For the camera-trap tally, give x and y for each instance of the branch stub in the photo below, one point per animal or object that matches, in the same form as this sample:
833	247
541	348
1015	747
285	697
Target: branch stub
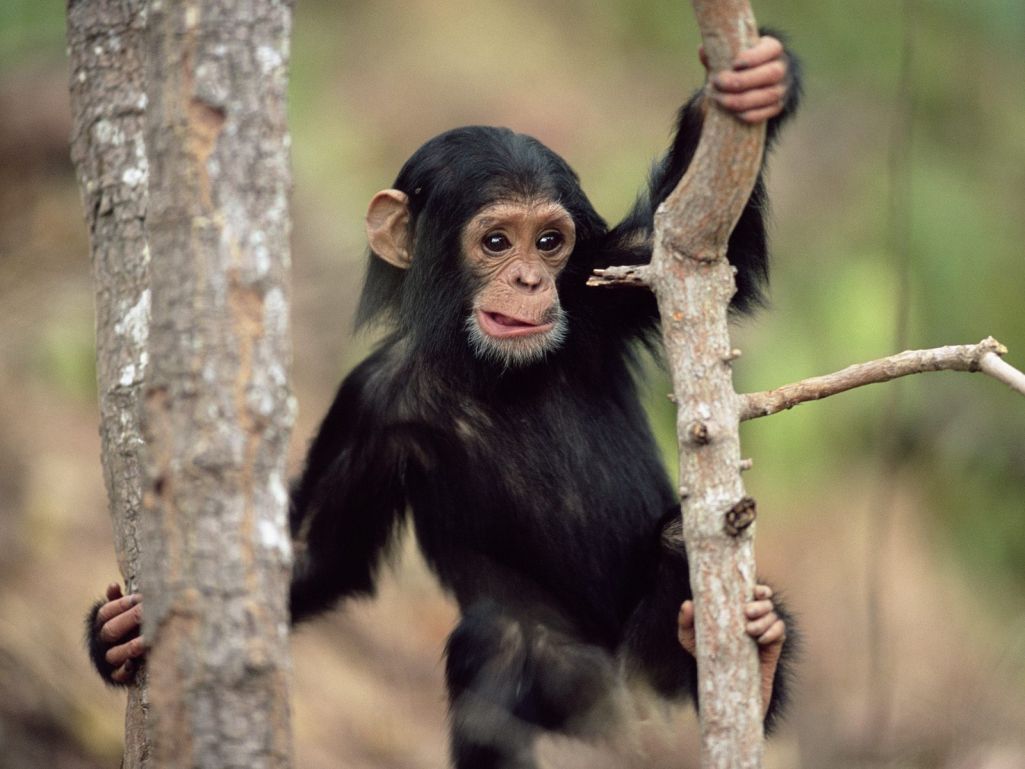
740	516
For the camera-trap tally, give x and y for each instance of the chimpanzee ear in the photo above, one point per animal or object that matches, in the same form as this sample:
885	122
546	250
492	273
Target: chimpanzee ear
388	227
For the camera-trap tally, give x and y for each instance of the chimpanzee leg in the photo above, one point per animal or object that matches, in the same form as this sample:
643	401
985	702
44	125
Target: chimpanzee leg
511	678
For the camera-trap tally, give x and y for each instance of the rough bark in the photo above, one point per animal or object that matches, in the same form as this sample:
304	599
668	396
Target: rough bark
693	283
108	102
218	410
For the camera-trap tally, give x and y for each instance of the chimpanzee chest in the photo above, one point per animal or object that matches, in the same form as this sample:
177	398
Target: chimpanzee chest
568	492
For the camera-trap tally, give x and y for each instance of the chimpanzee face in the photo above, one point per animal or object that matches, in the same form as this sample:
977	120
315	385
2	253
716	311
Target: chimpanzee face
515	250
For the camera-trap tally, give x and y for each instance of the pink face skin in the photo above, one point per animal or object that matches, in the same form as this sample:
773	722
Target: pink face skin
516	250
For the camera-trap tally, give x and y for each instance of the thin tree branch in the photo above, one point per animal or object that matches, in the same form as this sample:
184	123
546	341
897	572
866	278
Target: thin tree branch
984	356
996	367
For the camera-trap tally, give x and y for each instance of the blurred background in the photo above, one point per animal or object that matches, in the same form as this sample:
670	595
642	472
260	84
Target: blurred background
894	516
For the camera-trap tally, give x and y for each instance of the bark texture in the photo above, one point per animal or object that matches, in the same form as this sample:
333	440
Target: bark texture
217	405
694	282
108	100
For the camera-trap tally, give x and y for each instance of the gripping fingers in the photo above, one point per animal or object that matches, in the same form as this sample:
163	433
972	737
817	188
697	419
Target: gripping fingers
776	634
756	87
766	49
120	656
764	624
117	607
760	115
685	628
121	624
750	102
762	592
759	628
763	76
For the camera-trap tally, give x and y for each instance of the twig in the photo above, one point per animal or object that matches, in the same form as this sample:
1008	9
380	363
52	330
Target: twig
636	275
984	357
996	367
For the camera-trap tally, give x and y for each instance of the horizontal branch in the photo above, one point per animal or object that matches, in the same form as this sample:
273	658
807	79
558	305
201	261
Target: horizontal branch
636	275
984	356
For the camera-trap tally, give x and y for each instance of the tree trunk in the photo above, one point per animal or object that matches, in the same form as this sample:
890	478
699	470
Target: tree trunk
181	147
217	405
108	98
693	282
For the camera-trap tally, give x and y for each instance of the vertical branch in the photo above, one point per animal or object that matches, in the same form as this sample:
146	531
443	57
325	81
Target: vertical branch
217	404
694	284
108	101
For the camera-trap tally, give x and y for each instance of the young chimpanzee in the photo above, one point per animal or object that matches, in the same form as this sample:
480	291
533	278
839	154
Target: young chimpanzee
501	414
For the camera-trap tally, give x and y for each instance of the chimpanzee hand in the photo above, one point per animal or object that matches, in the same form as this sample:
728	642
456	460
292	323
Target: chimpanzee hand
112	632
756	87
764	625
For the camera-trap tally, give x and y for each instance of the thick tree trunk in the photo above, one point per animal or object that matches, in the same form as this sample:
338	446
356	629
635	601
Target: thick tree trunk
194	464
217	405
108	99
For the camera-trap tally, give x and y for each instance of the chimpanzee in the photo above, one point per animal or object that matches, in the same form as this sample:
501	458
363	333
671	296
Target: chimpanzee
501	415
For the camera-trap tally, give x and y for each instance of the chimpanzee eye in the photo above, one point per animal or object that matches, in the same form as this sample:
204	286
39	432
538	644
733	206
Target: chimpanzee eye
549	241
496	243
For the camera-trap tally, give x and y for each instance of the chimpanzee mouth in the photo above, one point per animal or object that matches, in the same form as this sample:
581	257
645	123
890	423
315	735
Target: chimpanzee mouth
501	326
510	341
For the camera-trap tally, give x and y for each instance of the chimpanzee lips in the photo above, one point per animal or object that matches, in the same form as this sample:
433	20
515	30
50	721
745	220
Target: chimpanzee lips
499	325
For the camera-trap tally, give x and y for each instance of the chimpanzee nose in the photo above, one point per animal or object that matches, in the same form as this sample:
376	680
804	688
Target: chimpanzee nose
527	278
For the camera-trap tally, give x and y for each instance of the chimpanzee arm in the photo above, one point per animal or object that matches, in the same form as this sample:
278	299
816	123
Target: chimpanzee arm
348	504
630	241
344	511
